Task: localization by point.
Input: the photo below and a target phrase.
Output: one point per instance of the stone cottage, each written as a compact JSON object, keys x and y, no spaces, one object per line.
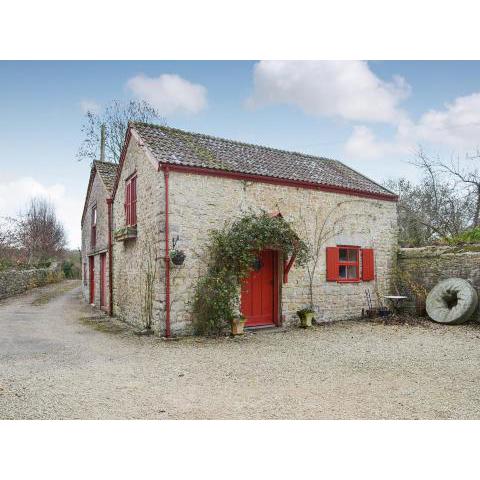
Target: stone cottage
{"x":96,"y":236}
{"x":172,"y":187}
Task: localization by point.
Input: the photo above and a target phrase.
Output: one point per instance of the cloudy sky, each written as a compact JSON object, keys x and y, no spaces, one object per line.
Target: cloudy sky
{"x":370,"y":115}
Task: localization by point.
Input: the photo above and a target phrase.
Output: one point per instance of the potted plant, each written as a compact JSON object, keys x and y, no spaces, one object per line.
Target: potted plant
{"x":238,"y":325}
{"x":306,"y":316}
{"x":177,"y":257}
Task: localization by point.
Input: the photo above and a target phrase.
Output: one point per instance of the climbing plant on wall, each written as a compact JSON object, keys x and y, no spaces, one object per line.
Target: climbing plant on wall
{"x":231,"y":253}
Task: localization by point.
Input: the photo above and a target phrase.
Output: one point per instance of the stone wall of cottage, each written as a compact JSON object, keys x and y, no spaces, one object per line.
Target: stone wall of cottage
{"x":14,"y":282}
{"x":199,"y":203}
{"x":131,"y":257}
{"x":424,"y":267}
{"x":98,"y":196}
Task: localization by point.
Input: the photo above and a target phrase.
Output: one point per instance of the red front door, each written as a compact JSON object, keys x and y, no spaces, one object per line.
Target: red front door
{"x":103,"y":262}
{"x":91,"y":264}
{"x":259,"y":291}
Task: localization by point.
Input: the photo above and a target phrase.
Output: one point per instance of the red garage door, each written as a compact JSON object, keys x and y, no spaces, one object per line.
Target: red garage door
{"x":91,"y":261}
{"x":258,"y":299}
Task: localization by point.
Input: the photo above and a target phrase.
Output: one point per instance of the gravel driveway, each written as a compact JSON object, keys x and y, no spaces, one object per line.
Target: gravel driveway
{"x":60,"y":359}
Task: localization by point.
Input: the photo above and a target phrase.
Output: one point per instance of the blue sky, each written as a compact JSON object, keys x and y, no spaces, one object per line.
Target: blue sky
{"x":371,"y":115}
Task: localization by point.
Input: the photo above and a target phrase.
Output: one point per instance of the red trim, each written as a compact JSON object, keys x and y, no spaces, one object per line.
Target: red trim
{"x":103,"y":266}
{"x":279,"y":181}
{"x":110,"y":257}
{"x":287,"y":266}
{"x":167,"y":256}
{"x":276,"y":287}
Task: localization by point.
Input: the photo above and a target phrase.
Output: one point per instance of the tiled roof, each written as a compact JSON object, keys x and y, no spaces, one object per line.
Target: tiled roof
{"x":107,"y":172}
{"x":178,"y":147}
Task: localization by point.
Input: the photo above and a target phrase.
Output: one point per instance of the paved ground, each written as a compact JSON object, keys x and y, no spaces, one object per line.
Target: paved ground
{"x":60,"y":359}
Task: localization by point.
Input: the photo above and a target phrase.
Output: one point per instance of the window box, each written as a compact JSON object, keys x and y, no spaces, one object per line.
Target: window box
{"x":125,"y":233}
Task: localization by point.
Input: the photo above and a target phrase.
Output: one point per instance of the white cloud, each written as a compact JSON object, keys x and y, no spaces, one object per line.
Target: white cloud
{"x":456,"y":126}
{"x":15,"y":195}
{"x":344,"y":89}
{"x":89,"y":106}
{"x":169,"y":94}
{"x":363,"y":143}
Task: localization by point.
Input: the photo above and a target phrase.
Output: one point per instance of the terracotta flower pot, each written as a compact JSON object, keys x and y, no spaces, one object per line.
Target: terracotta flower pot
{"x":237,"y":326}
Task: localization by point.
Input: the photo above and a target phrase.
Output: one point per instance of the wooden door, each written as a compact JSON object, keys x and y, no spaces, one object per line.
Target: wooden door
{"x":259,"y":291}
{"x":103,"y":263}
{"x":91,"y":263}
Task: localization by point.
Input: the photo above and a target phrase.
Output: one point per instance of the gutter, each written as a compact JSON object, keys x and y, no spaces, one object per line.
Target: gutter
{"x":166,"y":171}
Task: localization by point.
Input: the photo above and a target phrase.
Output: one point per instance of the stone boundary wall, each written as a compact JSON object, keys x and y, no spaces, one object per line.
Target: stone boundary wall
{"x":13,"y":282}
{"x":424,"y":267}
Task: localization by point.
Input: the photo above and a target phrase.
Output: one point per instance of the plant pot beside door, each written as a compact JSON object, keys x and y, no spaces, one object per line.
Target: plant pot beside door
{"x":306,"y":316}
{"x":238,"y":325}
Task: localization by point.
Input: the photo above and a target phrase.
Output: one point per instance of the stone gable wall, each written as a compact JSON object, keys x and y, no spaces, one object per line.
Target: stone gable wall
{"x":130,"y":257}
{"x":98,"y":196}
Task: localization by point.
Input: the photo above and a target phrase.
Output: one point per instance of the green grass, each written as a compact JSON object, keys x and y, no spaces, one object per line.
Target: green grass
{"x":469,"y":236}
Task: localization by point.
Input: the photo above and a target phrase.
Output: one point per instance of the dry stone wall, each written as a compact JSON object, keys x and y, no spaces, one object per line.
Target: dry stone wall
{"x":424,"y":267}
{"x":14,"y":282}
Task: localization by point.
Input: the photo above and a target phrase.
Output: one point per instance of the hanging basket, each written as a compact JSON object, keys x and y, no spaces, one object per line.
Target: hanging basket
{"x":177,"y":257}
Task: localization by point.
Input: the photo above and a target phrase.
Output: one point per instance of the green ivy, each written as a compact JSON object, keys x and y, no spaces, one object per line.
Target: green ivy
{"x":232,"y":252}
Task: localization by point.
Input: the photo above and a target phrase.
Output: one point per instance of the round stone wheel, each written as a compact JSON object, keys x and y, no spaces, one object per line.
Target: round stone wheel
{"x":452,"y":301}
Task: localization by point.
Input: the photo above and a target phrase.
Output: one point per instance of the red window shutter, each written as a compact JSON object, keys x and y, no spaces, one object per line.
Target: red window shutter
{"x":127,"y":203}
{"x":332,"y":264}
{"x":133,"y":201}
{"x":368,"y":265}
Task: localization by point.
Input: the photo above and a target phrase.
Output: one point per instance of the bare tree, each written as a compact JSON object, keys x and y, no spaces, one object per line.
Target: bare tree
{"x":466,"y":180}
{"x":10,"y":254}
{"x":438,"y":206}
{"x":115,"y":118}
{"x":39,"y":232}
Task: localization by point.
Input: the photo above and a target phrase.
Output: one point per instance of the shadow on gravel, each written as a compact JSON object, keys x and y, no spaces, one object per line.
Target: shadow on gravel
{"x":103,"y":325}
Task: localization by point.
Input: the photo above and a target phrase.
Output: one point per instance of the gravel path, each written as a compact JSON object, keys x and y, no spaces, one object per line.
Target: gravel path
{"x":61,"y":359}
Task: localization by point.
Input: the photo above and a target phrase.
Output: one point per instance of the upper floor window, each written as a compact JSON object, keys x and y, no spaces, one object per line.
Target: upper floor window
{"x":93,"y":239}
{"x":131,"y":201}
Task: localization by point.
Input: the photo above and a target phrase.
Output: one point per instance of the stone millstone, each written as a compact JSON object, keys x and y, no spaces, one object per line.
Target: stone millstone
{"x":452,"y":301}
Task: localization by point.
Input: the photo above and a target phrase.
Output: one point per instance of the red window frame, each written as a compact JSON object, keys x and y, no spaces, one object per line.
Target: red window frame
{"x":130,"y":203}
{"x":348,"y":263}
{"x":93,"y":238}
{"x":333,"y":264}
